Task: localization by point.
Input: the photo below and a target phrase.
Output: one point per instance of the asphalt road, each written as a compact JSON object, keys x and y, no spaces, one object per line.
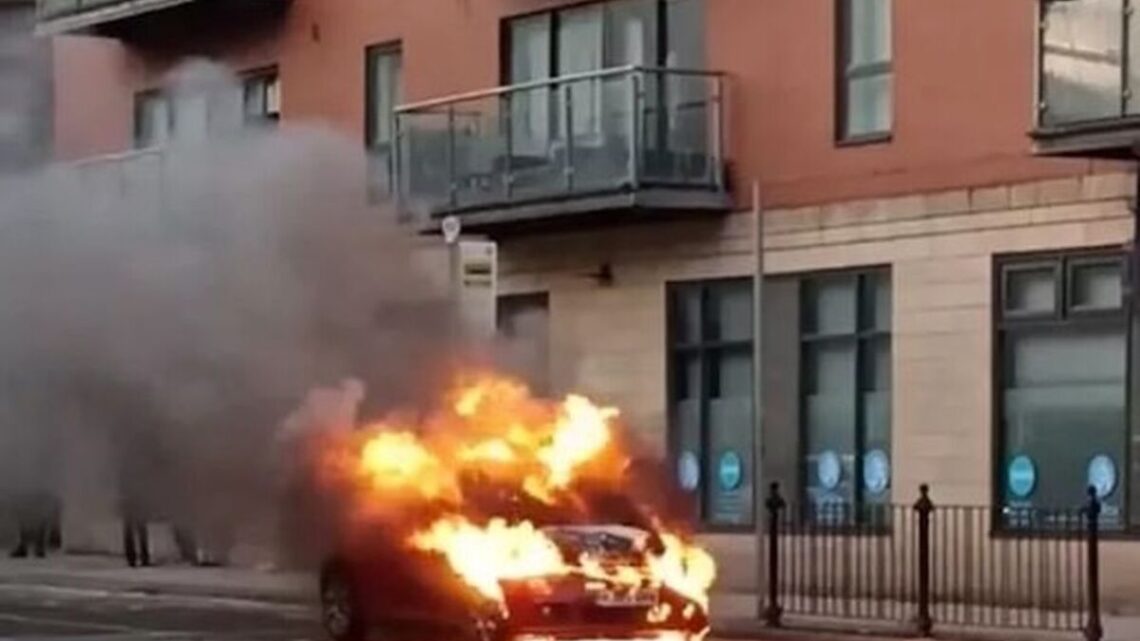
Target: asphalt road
{"x":61,"y":614}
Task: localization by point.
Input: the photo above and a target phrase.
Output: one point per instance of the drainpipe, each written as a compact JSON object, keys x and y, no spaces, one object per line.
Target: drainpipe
{"x":758,"y":495}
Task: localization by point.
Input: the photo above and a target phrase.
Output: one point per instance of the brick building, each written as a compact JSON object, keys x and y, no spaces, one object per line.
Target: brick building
{"x":946,"y":197}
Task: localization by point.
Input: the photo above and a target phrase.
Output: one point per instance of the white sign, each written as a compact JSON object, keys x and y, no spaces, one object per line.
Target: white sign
{"x":451,"y":228}
{"x":477,"y":276}
{"x":688,"y":471}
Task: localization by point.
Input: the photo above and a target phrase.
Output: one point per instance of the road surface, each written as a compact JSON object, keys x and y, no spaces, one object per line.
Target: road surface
{"x":63,"y":614}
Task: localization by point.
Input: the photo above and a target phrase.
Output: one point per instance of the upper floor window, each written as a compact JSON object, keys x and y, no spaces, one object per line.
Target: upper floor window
{"x":864,"y":69}
{"x":195,"y":112}
{"x":261,"y":97}
{"x":154,"y":119}
{"x":384,"y":92}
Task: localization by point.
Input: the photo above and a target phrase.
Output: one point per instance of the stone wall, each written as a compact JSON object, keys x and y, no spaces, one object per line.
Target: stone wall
{"x":610,"y":340}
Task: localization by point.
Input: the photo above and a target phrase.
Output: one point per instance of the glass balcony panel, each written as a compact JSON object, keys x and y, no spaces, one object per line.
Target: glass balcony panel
{"x":678,"y":125}
{"x":606,"y":131}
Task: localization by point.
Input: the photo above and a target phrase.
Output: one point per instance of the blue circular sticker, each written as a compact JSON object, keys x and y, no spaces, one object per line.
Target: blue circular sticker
{"x":828,"y":470}
{"x":876,"y":471}
{"x":730,"y":471}
{"x":688,"y":471}
{"x":1102,"y":475}
{"x":1021,"y":476}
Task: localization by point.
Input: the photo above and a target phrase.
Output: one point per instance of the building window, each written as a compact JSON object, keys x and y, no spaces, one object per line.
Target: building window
{"x":384,"y":92}
{"x":1062,"y":345}
{"x":154,"y":119}
{"x":261,"y":98}
{"x":864,"y":69}
{"x":845,"y":397}
{"x":710,"y":328}
{"x":523,"y":323}
{"x":596,"y":36}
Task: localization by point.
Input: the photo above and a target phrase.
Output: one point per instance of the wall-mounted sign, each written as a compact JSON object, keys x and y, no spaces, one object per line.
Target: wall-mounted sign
{"x":829,"y":470}
{"x":688,"y":471}
{"x":1102,"y":475}
{"x":876,"y":471}
{"x":1021,"y":476}
{"x":730,"y":471}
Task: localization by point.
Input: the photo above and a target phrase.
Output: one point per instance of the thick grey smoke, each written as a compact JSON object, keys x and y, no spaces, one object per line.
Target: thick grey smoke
{"x":160,"y":316}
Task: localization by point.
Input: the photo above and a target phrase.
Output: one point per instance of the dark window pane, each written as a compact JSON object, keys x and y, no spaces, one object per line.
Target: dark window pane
{"x":1063,"y":407}
{"x":686,"y":321}
{"x":830,"y":420}
{"x":685,"y":20}
{"x":631,"y":33}
{"x":1097,"y":286}
{"x":686,"y":377}
{"x":875,"y":307}
{"x":261,"y":98}
{"x":152,"y":119}
{"x":732,"y":312}
{"x":829,"y":306}
{"x":531,"y":44}
{"x":732,"y":373}
{"x":729,"y":486}
{"x":875,"y":364}
{"x":1031,"y":290}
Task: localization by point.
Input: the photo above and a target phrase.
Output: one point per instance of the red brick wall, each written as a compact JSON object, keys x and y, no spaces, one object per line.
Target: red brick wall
{"x":964,"y":80}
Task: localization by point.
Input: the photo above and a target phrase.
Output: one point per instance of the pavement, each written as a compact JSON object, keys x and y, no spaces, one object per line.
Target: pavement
{"x":269,"y":604}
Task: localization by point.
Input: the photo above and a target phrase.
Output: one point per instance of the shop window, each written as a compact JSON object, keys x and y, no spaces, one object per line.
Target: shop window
{"x":845,"y":393}
{"x":1062,"y":341}
{"x":711,"y":397}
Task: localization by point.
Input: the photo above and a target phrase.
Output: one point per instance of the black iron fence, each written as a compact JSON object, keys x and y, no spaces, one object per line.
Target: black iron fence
{"x":925,"y":564}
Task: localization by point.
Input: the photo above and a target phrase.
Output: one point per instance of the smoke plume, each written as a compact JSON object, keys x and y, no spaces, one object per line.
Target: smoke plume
{"x":161,"y":316}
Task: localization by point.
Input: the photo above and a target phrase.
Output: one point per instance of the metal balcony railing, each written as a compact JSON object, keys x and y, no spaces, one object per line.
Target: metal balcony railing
{"x":618,"y":130}
{"x":52,"y":9}
{"x":1088,"y":62}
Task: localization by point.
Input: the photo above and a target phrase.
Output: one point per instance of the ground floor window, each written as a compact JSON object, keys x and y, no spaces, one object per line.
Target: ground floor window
{"x":845,"y":393}
{"x":523,"y":323}
{"x":710,"y":333}
{"x":1062,"y":346}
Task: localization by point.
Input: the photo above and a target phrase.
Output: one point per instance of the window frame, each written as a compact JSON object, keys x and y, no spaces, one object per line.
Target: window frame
{"x":266,"y":76}
{"x":702,"y":349}
{"x":140,"y":99}
{"x":843,"y":77}
{"x":863,"y":336}
{"x":1065,"y":317}
{"x":553,"y":15}
{"x":372,"y":54}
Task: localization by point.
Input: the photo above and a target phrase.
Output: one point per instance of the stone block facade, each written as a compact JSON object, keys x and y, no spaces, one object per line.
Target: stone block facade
{"x":940,"y":247}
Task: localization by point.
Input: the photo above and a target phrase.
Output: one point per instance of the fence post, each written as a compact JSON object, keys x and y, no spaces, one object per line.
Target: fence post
{"x":924,"y":507}
{"x":774,"y":506}
{"x":1093,"y":629}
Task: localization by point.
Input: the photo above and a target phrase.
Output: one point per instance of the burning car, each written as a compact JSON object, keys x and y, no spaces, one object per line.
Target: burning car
{"x":600,"y":588}
{"x":503,"y":517}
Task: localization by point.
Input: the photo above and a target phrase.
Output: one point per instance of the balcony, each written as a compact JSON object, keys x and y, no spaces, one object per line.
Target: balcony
{"x":611,"y":145}
{"x":1088,"y":63}
{"x":124,"y":18}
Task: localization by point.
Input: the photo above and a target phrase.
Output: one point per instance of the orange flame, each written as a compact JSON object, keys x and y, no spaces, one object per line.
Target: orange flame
{"x":484,"y":556}
{"x":494,"y":427}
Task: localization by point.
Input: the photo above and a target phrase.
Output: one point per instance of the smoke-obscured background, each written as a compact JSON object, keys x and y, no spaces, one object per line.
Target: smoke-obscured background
{"x":162,"y":315}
